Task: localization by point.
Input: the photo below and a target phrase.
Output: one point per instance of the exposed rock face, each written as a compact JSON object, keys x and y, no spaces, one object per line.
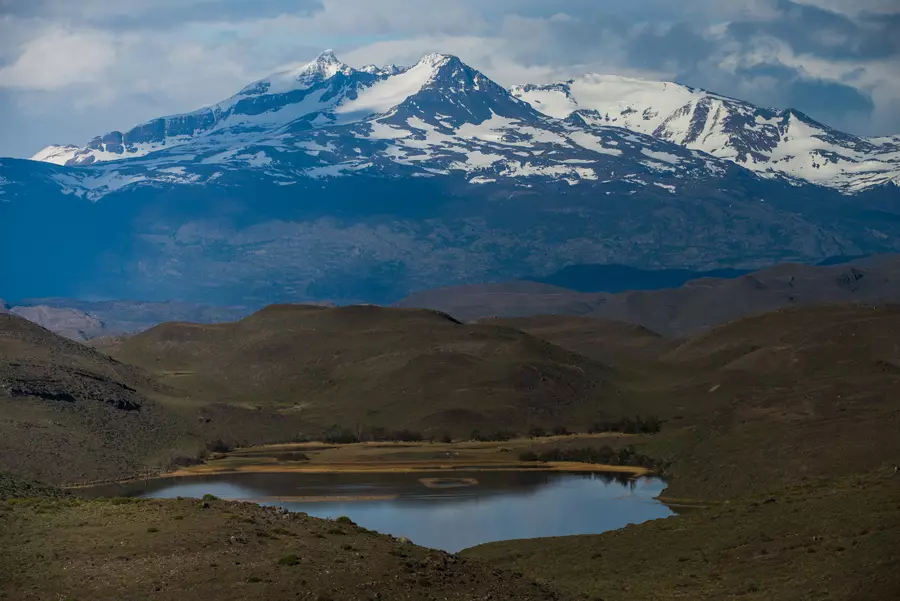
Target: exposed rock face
{"x":70,"y":323}
{"x":85,"y":320}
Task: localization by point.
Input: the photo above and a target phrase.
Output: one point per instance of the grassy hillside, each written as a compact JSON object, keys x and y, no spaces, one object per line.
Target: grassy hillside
{"x":761,"y":402}
{"x":186,"y":550}
{"x":69,"y":413}
{"x":786,"y":423}
{"x":378,"y":367}
{"x":829,"y":540}
{"x":601,"y":339}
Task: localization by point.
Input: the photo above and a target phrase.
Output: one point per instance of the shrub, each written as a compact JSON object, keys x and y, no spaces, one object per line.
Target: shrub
{"x":292,"y":456}
{"x":151,"y":530}
{"x":337,"y":435}
{"x":209,"y":497}
{"x":407,"y":436}
{"x":537,"y":432}
{"x":288,"y":560}
{"x":184,"y":461}
{"x":603,"y":455}
{"x":528,"y":456}
{"x":560,"y":431}
{"x":628,"y":425}
{"x":446,"y":438}
{"x":345,"y":520}
{"x":123,"y":500}
{"x":500,"y":435}
{"x":219,"y":446}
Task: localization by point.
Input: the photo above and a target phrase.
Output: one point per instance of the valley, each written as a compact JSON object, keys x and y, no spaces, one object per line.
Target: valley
{"x":812,"y":386}
{"x":408,"y":333}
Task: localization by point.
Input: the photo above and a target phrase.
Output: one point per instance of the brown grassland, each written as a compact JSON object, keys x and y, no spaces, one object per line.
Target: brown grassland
{"x":784,"y":425}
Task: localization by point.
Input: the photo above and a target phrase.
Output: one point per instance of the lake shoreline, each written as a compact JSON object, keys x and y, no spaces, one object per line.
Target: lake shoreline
{"x":355,"y":468}
{"x":393,"y":457}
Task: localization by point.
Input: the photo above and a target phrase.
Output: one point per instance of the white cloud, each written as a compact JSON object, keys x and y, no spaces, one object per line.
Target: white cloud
{"x":58,"y":58}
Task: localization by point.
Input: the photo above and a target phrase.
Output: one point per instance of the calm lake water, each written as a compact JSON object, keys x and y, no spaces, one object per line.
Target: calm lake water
{"x":444,"y":511}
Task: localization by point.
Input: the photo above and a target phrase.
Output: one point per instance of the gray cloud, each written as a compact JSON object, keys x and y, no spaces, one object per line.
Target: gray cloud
{"x":149,"y":14}
{"x":70,"y":70}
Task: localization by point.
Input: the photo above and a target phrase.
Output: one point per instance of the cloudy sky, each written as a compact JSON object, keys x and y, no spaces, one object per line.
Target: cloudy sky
{"x":71,"y":70}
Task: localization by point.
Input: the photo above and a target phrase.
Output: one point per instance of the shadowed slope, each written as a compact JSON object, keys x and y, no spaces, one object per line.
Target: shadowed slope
{"x":609,"y":341}
{"x":70,"y":413}
{"x":798,"y":393}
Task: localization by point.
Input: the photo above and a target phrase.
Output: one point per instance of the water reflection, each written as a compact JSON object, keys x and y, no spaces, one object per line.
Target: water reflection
{"x":450,"y":511}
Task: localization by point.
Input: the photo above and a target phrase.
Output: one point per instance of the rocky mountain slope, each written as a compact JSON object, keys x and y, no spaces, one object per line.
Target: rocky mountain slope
{"x":326,"y":182}
{"x":86,"y":320}
{"x":770,"y":142}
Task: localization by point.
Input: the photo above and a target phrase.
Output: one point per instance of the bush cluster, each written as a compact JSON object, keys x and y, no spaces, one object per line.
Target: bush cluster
{"x":219,"y":446}
{"x":498,"y":436}
{"x":339,"y":435}
{"x":605,"y":455}
{"x":636,"y":425}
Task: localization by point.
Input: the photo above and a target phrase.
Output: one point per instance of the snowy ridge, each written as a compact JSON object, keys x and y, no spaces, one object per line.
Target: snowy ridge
{"x":322,"y":92}
{"x":58,"y":155}
{"x":324,"y":118}
{"x":767,"y":141}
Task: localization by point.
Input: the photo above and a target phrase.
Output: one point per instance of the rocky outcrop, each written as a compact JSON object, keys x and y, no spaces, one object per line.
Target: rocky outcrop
{"x":71,"y":323}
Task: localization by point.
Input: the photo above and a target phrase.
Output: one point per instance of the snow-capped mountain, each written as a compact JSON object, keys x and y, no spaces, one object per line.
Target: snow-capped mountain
{"x":768,"y":141}
{"x":326,"y":92}
{"x":325,"y":118}
{"x":325,"y":182}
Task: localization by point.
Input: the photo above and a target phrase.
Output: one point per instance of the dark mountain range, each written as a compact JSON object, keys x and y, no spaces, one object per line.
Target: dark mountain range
{"x":619,"y":278}
{"x":330,"y":183}
{"x":694,"y":307}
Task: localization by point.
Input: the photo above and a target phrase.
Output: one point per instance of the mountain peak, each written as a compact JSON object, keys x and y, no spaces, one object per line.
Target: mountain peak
{"x":436,"y":59}
{"x":327,"y":56}
{"x":325,"y":65}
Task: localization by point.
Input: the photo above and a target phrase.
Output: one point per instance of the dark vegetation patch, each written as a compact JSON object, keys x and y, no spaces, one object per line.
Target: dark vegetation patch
{"x":291,"y":456}
{"x":605,"y":455}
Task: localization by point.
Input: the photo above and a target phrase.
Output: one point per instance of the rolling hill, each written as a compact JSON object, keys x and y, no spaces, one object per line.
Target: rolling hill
{"x":72,"y":414}
{"x":367,"y":366}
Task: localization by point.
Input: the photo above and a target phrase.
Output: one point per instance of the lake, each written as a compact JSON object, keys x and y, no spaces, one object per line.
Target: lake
{"x":449,"y":511}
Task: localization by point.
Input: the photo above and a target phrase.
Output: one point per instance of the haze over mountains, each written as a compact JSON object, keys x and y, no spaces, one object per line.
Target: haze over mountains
{"x":366,"y":185}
